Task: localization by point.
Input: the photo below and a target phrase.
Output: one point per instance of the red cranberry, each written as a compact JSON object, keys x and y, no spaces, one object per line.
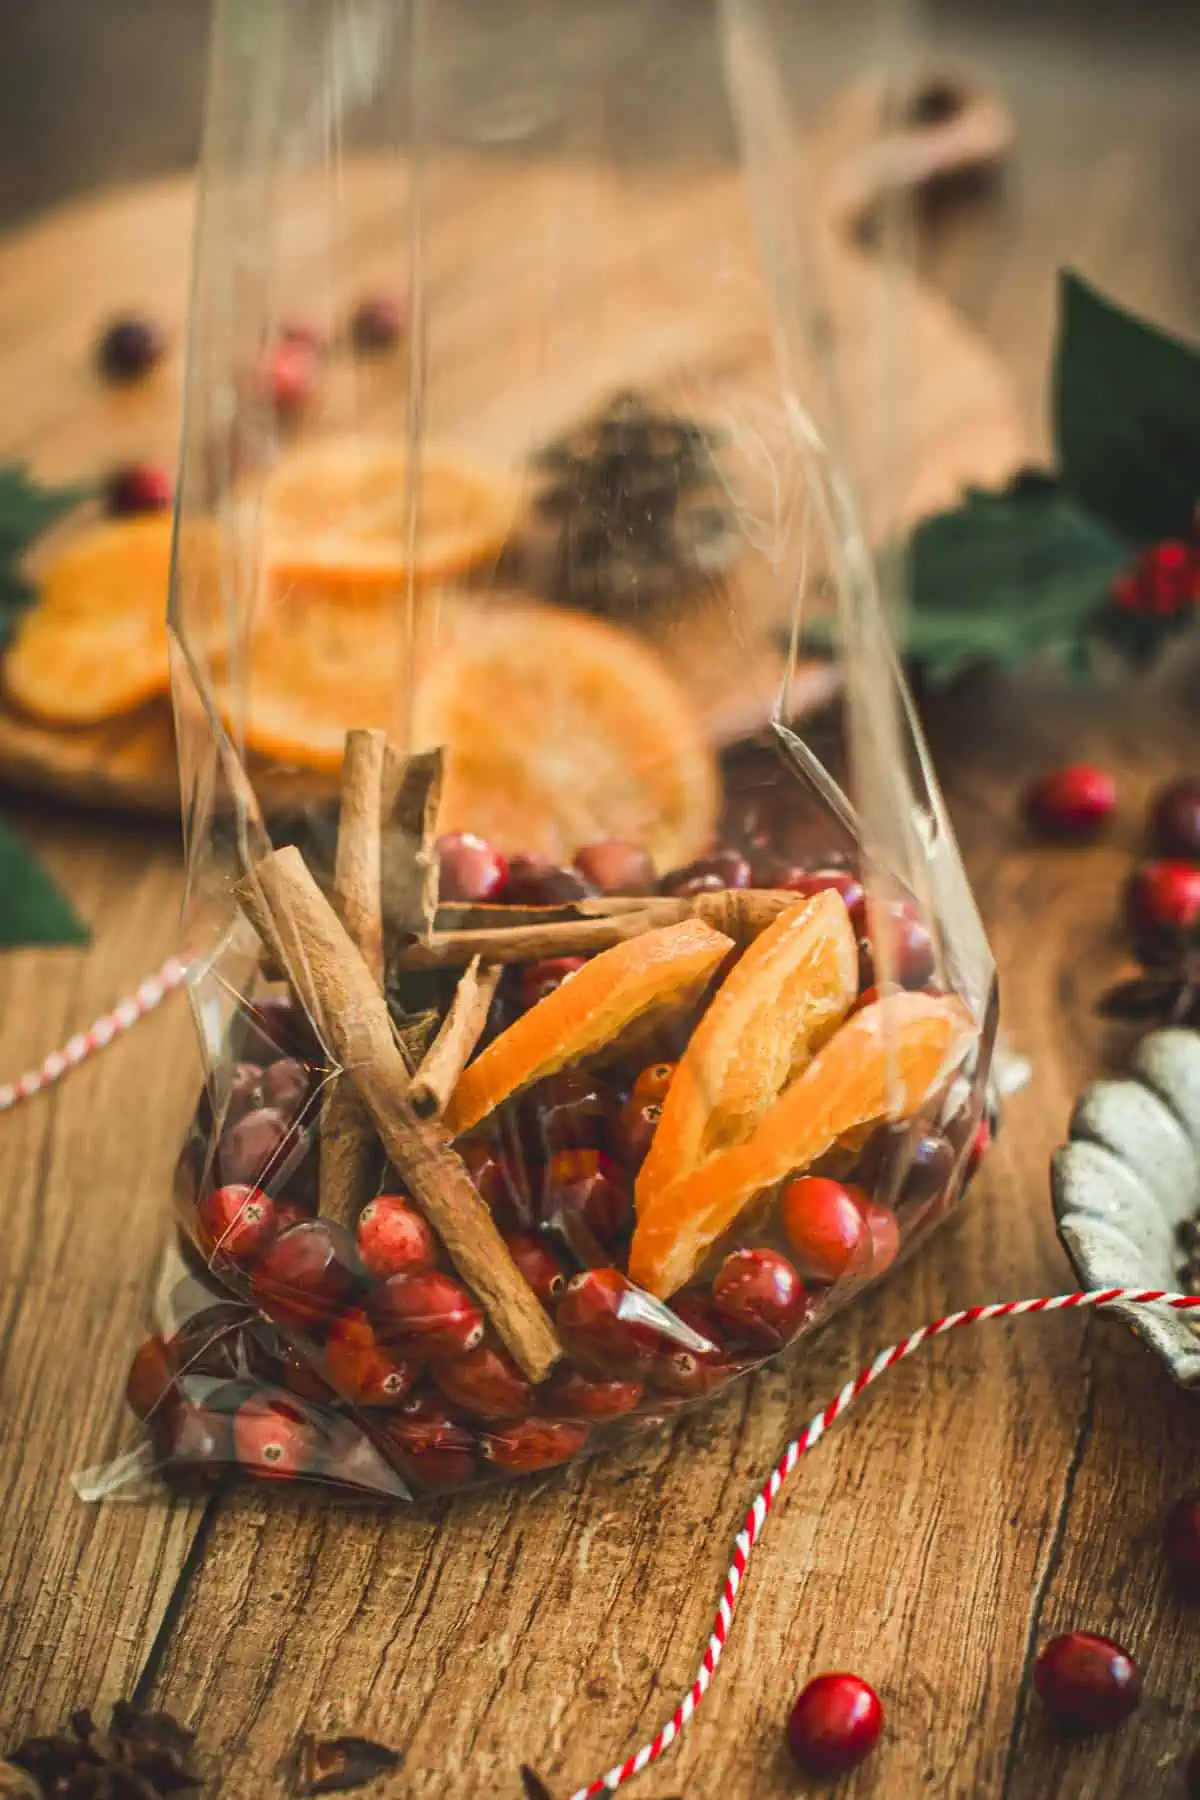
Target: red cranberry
{"x":697,"y":1309}
{"x":590,"y":1186}
{"x":725,"y":869}
{"x":807,"y":882}
{"x":307,"y":1275}
{"x":427,"y":1315}
{"x":1086,"y":1681}
{"x":495,"y":1184}
{"x":151,"y":1376}
{"x":436,"y":1450}
{"x":485,"y":1383}
{"x":687,"y":1374}
{"x":294,"y":1372}
{"x":470,"y":871}
{"x":393,"y":1238}
{"x":571,"y":1395}
{"x":291,"y":1212}
{"x":1071,"y":805}
{"x":538,"y":980}
{"x":236,"y":1223}
{"x":569,"y":1111}
{"x":192,"y":1441}
{"x":824,"y":1224}
{"x":762,"y":1293}
{"x":378,"y":323}
{"x":140,"y":488}
{"x":275,"y":1440}
{"x":289,"y":376}
{"x":285,"y":1087}
{"x":1175,"y":821}
{"x":261,"y":1149}
{"x":930,"y":1161}
{"x":617,"y":868}
{"x":242,"y":1094}
{"x":595,"y":1333}
{"x":1181,"y":1543}
{"x":532,"y":882}
{"x":835,"y":1724}
{"x":653,"y":1081}
{"x":884,"y":1228}
{"x":635,"y":1131}
{"x":912,"y":953}
{"x":539,"y":1267}
{"x":361,"y":1369}
{"x":530,"y":1444}
{"x":1162,"y":904}
{"x":271,"y":1028}
{"x":211,"y":1341}
{"x":129,"y":349}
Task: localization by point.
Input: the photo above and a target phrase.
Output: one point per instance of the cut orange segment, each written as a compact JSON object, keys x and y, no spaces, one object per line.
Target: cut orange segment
{"x":353,"y":512}
{"x":789,"y":991}
{"x":882,"y":1063}
{"x":620,"y":988}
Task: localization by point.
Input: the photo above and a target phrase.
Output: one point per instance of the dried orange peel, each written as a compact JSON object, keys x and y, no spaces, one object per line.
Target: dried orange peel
{"x":881,"y":1064}
{"x":619,"y":989}
{"x":783,"y":998}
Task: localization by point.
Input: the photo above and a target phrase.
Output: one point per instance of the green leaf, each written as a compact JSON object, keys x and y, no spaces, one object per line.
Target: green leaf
{"x":26,"y":511}
{"x":32,"y":910}
{"x":1126,"y":416}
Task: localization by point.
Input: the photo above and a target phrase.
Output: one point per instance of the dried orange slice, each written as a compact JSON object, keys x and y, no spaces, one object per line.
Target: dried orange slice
{"x":789,"y":991}
{"x":119,"y":566}
{"x":355,"y":513}
{"x":882,"y":1063}
{"x":667,"y":968}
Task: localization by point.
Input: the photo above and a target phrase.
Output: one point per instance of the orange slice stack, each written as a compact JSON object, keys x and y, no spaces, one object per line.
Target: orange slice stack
{"x":882,"y":1063}
{"x":617,"y":990}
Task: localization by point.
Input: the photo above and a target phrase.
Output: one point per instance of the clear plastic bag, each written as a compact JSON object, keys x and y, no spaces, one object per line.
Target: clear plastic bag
{"x":610,"y":1006}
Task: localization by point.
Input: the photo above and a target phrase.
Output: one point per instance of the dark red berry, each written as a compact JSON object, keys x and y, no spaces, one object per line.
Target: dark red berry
{"x":235,"y":1223}
{"x":140,"y":488}
{"x":910,"y":947}
{"x":538,"y":980}
{"x":291,"y":1212}
{"x":270,"y":1028}
{"x":437,"y":1450}
{"x":538,"y":1265}
{"x":598,"y":1322}
{"x":393,"y":1238}
{"x":129,"y":349}
{"x":151,"y":1378}
{"x":1162,"y":904}
{"x":289,"y":376}
{"x":1175,"y":821}
{"x":485,"y":1383}
{"x":614,"y":867}
{"x":1071,"y":805}
{"x":275,"y":1440}
{"x":533,"y":882}
{"x":427,"y":1315}
{"x":261,"y":1149}
{"x":835,"y":1724}
{"x":307,"y":1276}
{"x":762,"y":1294}
{"x":530,"y":1444}
{"x":1181,"y":1543}
{"x":378,"y":323}
{"x":242,"y":1093}
{"x":1087,"y":1682}
{"x":884,"y":1228}
{"x":363,"y":1370}
{"x":724,"y":869}
{"x":210,"y":1342}
{"x":294,"y":1372}
{"x":688,"y":1374}
{"x":824,"y":1224}
{"x":192,"y":1442}
{"x":928,"y":1160}
{"x":697,"y":1309}
{"x":285,"y":1087}
{"x":571,"y":1395}
{"x":807,"y":882}
{"x":569,"y":1111}
{"x":635,"y":1131}
{"x":496,"y":1184}
{"x":589,"y":1186}
{"x":470,"y":871}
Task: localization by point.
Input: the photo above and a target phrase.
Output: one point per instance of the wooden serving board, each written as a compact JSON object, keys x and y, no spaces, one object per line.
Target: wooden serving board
{"x":661,"y":288}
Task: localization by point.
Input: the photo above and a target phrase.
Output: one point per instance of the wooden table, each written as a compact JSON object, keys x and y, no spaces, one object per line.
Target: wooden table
{"x":999,"y":1488}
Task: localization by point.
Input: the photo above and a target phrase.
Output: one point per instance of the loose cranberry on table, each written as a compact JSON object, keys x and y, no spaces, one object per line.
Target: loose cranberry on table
{"x":835,"y":1724}
{"x":377,"y":323}
{"x":595,"y":1334}
{"x":275,"y":1440}
{"x":129,"y":348}
{"x":539,"y":1266}
{"x":1071,"y":805}
{"x":308,"y":1275}
{"x":535,"y":882}
{"x":1162,"y":905}
{"x":427,"y":1315}
{"x":236,"y":1223}
{"x":288,"y":376}
{"x":825,"y":1226}
{"x":1181,"y":1544}
{"x":571,"y":1395}
{"x":614,"y":867}
{"x":527,"y":1445}
{"x":393,"y":1238}
{"x":1175,"y":821}
{"x":363,"y":1370}
{"x":470,"y":870}
{"x":709,"y":874}
{"x":1087,"y":1682}
{"x":590,"y":1186}
{"x":538,"y":980}
{"x":484,"y":1383}
{"x":762,"y":1294}
{"x":139,"y":488}
{"x":634,"y":1131}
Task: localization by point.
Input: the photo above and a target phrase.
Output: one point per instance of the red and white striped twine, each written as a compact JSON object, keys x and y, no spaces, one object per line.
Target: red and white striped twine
{"x":812,"y":1434}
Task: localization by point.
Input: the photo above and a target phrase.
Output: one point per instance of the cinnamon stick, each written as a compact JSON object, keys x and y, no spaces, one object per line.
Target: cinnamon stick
{"x":412,"y":793}
{"x":281,"y":899}
{"x":348,"y":1141}
{"x":461,"y":1030}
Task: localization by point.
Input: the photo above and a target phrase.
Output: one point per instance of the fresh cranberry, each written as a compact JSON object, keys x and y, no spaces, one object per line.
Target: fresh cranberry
{"x":436,"y":1449}
{"x":1087,"y":1682}
{"x":635,"y":1130}
{"x":285,"y":1087}
{"x":485,"y":1383}
{"x":235,"y":1223}
{"x":613,"y":867}
{"x":288,"y":376}
{"x":596,"y":1334}
{"x":362,"y":1369}
{"x":129,"y":349}
{"x":533,"y":882}
{"x":393,"y":1238}
{"x":687,"y":1374}
{"x":261,"y":1149}
{"x":530,"y":1444}
{"x":378,"y":323}
{"x":1175,"y":821}
{"x":293,"y":1371}
{"x":242,"y":1093}
{"x":697,"y":1309}
{"x":151,"y":1378}
{"x":762,"y":1293}
{"x":1181,"y":1543}
{"x":1162,"y":905}
{"x":884,"y":1228}
{"x":192,"y":1441}
{"x":569,"y":1111}
{"x":929,"y":1161}
{"x":139,"y":488}
{"x":835,"y":1724}
{"x":824,"y":1224}
{"x":571,"y":1395}
{"x":807,"y":882}
{"x":495,"y":1183}
{"x":210,"y":1342}
{"x":539,"y":1267}
{"x":593,"y":1188}
{"x":470,"y":871}
{"x":724,"y":869}
{"x":270,"y":1028}
{"x":427,"y":1315}
{"x":538,"y":980}
{"x":292,"y":1212}
{"x":307,"y":1275}
{"x":1071,"y":805}
{"x":911,"y":947}
{"x":275,"y":1440}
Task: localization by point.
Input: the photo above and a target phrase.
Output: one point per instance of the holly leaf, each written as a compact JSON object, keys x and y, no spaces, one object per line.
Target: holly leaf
{"x":26,"y":511}
{"x":32,"y":910}
{"x":1126,"y":416}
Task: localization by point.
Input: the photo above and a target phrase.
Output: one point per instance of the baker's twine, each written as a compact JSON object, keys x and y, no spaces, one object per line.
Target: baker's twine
{"x":154,"y":990}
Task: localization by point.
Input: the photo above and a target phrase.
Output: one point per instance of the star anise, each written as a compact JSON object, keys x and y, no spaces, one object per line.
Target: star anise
{"x":1167,"y":991}
{"x":142,"y":1756}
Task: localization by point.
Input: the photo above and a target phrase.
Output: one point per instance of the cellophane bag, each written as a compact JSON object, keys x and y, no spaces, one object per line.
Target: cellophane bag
{"x":590,"y":995}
